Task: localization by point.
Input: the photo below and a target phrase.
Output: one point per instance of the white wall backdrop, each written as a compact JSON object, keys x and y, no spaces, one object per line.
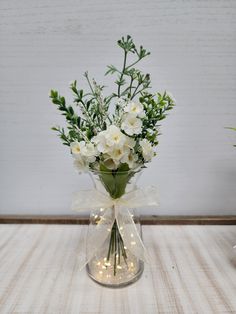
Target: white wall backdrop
{"x":46,"y":44}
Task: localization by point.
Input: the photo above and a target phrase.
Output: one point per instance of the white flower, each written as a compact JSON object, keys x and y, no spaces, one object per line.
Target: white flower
{"x":147,"y":149}
{"x":81,"y":164}
{"x":106,"y":140}
{"x":117,"y":153}
{"x":130,"y":159}
{"x":76,"y":148}
{"x":130,"y":142}
{"x":136,"y":109}
{"x":114,"y":136}
{"x":84,"y":154}
{"x":131,"y":124}
{"x":101,"y":143}
{"x":84,"y":150}
{"x":89,"y":152}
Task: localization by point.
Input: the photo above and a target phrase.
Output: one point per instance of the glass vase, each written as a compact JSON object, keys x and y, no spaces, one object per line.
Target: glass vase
{"x":113,"y":264}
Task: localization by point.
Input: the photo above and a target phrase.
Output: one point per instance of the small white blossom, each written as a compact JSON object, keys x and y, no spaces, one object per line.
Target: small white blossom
{"x":130,"y":159}
{"x":106,"y":140}
{"x":129,"y":142}
{"x":118,"y":153}
{"x":114,"y":136}
{"x":81,"y":164}
{"x":135,"y":108}
{"x":76,"y":148}
{"x":131,"y":124}
{"x":100,"y":141}
{"x":147,"y":149}
{"x":89,"y":152}
{"x":84,"y":154}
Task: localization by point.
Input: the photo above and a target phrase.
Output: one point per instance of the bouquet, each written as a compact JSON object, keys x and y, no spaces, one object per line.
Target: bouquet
{"x":114,"y":135}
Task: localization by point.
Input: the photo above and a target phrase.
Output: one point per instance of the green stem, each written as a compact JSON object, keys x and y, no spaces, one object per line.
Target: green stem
{"x":122,"y":74}
{"x":132,"y":64}
{"x":137,"y":92}
{"x":89,"y":83}
{"x":116,"y":248}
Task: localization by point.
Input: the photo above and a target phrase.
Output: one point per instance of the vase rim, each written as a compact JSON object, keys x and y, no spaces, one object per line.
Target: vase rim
{"x":134,"y":170}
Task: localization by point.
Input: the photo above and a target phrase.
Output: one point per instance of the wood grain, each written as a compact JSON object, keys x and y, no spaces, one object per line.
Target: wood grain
{"x":145,"y":220}
{"x":192,"y":270}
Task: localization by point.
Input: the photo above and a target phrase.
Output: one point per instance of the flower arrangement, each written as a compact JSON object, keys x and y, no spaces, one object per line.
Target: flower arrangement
{"x":116,"y":134}
{"x":124,"y":139}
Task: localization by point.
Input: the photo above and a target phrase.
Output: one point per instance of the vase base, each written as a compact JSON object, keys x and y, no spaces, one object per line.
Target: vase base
{"x":108,"y":279}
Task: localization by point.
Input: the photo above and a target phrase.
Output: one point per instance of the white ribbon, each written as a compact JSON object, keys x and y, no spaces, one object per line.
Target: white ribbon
{"x":114,"y":209}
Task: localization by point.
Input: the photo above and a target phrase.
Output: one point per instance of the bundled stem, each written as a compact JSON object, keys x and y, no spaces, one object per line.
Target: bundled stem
{"x":116,"y":248}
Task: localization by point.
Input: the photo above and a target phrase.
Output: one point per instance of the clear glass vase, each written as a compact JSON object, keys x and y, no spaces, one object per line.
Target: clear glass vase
{"x":113,"y":264}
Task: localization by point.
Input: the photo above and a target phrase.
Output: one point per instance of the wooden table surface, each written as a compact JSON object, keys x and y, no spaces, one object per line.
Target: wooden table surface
{"x":193,"y":270}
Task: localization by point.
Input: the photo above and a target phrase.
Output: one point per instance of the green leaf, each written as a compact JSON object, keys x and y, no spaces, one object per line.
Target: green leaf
{"x":107,"y":179}
{"x":54,"y":128}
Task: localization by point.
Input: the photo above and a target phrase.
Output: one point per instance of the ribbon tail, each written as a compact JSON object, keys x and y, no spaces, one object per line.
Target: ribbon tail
{"x":130,"y":235}
{"x":96,"y":236}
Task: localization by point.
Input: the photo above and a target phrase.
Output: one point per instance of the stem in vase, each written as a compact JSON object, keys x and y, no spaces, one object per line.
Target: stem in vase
{"x":116,"y":248}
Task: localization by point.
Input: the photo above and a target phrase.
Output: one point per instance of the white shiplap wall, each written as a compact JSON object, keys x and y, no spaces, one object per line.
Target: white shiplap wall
{"x":45,"y":44}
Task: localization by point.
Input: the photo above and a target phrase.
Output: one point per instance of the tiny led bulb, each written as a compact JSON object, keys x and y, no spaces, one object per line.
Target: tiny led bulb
{"x":100,"y":272}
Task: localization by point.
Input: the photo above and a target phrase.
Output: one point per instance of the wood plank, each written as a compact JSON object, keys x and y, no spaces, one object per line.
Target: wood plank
{"x":192,"y":270}
{"x":145,"y":220}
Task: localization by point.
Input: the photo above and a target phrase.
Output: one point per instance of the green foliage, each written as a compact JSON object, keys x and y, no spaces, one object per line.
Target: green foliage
{"x":137,"y":81}
{"x":115,"y":181}
{"x":156,"y":108}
